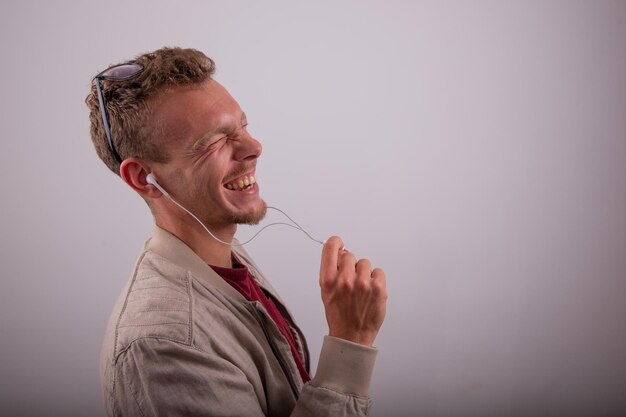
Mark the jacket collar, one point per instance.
(172, 248)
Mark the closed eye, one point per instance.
(215, 144)
(229, 134)
(202, 150)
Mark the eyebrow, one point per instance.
(226, 130)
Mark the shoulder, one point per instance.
(156, 304)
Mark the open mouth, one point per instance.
(242, 183)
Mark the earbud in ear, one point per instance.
(150, 180)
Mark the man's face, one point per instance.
(212, 158)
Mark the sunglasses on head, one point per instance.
(115, 73)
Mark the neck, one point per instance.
(205, 246)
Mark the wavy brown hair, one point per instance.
(129, 102)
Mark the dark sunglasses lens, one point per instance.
(122, 71)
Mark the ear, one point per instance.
(134, 172)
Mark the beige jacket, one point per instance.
(182, 342)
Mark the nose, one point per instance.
(249, 149)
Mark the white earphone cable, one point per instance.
(297, 226)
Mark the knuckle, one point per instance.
(364, 264)
(348, 256)
(364, 277)
(379, 289)
(378, 274)
(345, 273)
(346, 286)
(334, 241)
(362, 286)
(326, 285)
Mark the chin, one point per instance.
(252, 217)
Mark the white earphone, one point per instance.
(151, 180)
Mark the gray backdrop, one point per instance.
(474, 150)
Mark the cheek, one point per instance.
(210, 182)
(189, 182)
(207, 175)
(178, 181)
(216, 169)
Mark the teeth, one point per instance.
(241, 183)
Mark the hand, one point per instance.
(354, 296)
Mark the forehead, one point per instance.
(186, 113)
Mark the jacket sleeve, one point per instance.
(159, 377)
(341, 384)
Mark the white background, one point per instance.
(474, 150)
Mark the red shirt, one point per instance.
(240, 278)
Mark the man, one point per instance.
(198, 330)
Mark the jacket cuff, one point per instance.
(345, 367)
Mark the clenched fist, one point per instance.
(354, 295)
